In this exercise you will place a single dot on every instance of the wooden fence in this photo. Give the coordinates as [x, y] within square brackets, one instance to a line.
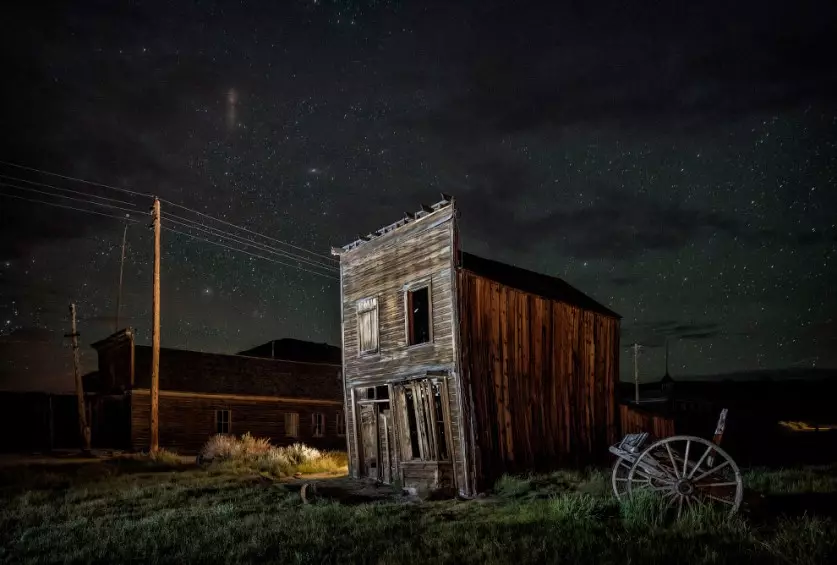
[634, 420]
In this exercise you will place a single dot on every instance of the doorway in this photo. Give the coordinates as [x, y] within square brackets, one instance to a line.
[377, 445]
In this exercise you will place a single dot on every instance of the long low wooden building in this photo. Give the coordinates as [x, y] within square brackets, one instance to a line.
[458, 369]
[202, 394]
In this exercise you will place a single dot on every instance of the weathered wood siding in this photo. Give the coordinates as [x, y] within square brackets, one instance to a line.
[385, 267]
[187, 422]
[541, 377]
[633, 420]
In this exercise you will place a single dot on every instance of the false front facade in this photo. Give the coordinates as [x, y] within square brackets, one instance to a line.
[458, 369]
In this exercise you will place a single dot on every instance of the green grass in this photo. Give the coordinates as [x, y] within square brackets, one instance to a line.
[162, 511]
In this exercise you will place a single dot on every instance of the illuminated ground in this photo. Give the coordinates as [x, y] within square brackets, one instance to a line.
[115, 511]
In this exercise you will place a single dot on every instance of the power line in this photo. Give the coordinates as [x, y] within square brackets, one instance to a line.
[125, 190]
[67, 197]
[261, 246]
[135, 193]
[125, 219]
[245, 229]
[251, 254]
[7, 177]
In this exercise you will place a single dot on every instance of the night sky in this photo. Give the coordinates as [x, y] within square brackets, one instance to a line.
[676, 161]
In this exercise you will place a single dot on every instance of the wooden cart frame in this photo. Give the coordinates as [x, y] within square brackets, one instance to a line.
[688, 471]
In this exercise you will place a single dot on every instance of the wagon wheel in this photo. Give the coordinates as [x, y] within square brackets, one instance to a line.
[619, 478]
[688, 471]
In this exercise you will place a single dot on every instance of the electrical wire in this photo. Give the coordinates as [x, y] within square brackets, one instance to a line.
[232, 237]
[245, 229]
[7, 177]
[33, 169]
[125, 219]
[334, 278]
[103, 205]
[135, 193]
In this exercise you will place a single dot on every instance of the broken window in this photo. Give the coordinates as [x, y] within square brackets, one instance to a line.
[222, 421]
[375, 393]
[423, 418]
[291, 424]
[367, 325]
[418, 316]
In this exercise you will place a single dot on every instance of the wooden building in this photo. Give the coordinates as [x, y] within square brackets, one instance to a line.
[202, 394]
[458, 369]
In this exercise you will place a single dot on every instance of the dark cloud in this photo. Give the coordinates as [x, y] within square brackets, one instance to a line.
[655, 334]
[693, 72]
[616, 225]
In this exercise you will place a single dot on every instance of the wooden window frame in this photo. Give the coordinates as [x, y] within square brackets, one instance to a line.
[290, 415]
[412, 287]
[428, 441]
[340, 424]
[314, 427]
[219, 421]
[358, 313]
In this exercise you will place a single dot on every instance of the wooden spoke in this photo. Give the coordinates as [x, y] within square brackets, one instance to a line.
[661, 469]
[700, 461]
[673, 464]
[709, 472]
[724, 500]
[686, 458]
[709, 485]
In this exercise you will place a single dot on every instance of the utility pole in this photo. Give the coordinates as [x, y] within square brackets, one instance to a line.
[155, 333]
[82, 411]
[636, 373]
[121, 267]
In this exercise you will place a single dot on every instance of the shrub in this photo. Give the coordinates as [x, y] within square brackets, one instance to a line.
[259, 454]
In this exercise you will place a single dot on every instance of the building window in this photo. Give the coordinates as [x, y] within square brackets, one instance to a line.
[317, 424]
[367, 325]
[425, 425]
[222, 421]
[418, 315]
[291, 424]
[341, 424]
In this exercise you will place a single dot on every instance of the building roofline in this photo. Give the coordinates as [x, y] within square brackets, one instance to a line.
[426, 211]
[237, 356]
[118, 335]
[532, 282]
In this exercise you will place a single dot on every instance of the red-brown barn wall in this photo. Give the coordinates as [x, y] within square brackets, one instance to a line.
[186, 423]
[541, 376]
[634, 421]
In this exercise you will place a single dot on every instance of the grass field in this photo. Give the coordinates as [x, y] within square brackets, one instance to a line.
[165, 511]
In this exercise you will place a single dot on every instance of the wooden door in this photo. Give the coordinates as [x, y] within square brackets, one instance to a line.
[369, 441]
[386, 446]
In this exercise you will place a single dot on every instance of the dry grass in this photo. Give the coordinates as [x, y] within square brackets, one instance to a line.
[157, 512]
[258, 454]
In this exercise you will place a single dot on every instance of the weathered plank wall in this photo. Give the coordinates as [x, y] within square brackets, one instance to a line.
[541, 376]
[633, 420]
[186, 423]
[417, 252]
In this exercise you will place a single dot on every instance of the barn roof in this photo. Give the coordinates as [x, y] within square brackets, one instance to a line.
[291, 349]
[194, 371]
[530, 281]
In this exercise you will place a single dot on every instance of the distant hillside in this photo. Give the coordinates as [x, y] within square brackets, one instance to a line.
[805, 374]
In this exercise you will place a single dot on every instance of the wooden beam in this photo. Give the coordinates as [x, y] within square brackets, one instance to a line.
[246, 397]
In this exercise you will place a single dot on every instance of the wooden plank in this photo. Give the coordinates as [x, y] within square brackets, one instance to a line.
[543, 378]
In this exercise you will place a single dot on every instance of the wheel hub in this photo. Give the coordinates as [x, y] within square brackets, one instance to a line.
[684, 487]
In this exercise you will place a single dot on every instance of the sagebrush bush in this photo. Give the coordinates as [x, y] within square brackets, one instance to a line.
[259, 454]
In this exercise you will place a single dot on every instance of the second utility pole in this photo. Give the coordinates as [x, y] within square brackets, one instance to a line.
[81, 405]
[636, 373]
[155, 334]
